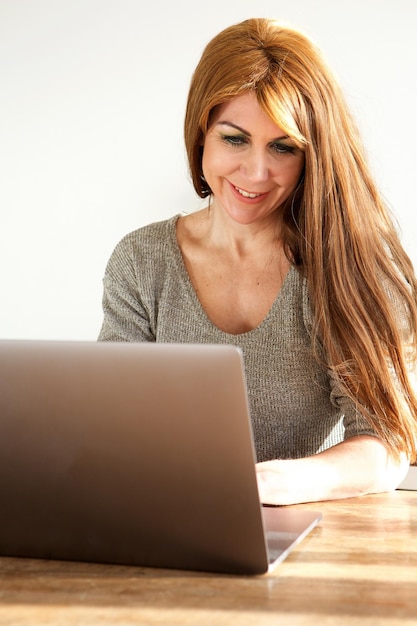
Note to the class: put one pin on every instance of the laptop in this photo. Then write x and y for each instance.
(137, 454)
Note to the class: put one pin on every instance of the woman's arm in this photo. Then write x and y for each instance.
(126, 317)
(357, 466)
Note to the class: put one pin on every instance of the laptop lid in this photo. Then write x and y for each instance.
(128, 453)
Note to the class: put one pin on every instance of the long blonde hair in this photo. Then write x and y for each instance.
(337, 229)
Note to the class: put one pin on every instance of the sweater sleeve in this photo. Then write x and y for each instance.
(353, 421)
(126, 316)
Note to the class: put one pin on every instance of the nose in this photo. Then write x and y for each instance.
(255, 166)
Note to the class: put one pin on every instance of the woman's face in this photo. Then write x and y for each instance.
(252, 167)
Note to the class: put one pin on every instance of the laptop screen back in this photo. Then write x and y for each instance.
(128, 453)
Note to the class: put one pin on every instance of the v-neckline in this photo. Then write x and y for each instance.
(198, 305)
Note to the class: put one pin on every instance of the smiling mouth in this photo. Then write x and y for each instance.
(246, 194)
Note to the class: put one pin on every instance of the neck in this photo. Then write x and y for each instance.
(241, 240)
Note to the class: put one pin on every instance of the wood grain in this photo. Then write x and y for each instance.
(359, 566)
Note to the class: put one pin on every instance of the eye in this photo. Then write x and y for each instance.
(235, 140)
(282, 148)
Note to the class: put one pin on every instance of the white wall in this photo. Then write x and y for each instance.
(91, 113)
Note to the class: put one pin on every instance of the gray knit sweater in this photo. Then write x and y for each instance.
(295, 407)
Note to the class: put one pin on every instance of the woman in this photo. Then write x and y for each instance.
(295, 259)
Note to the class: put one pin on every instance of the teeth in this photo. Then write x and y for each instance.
(245, 194)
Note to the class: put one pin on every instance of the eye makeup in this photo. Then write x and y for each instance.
(277, 146)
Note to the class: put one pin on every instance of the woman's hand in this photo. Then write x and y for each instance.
(357, 466)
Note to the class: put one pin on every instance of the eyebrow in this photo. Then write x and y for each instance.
(245, 132)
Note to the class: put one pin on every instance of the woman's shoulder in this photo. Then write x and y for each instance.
(297, 297)
(154, 234)
(146, 246)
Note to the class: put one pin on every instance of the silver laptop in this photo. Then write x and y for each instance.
(138, 454)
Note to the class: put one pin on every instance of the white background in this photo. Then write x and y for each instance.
(91, 117)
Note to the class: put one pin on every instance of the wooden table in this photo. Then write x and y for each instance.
(359, 566)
